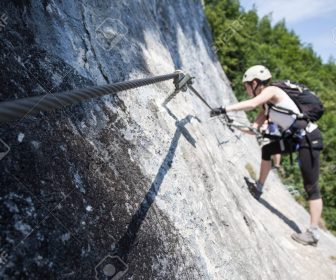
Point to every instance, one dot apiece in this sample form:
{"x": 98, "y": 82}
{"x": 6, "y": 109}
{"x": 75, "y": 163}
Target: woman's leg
{"x": 267, "y": 151}
{"x": 276, "y": 160}
{"x": 310, "y": 173}
{"x": 265, "y": 167}
{"x": 315, "y": 209}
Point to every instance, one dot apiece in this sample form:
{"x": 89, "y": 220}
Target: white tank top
{"x": 282, "y": 119}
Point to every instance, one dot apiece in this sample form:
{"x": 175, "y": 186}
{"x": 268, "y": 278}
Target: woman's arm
{"x": 266, "y": 95}
{"x": 258, "y": 123}
{"x": 260, "y": 120}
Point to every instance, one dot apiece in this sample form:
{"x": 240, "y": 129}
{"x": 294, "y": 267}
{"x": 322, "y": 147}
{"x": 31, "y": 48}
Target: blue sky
{"x": 313, "y": 20}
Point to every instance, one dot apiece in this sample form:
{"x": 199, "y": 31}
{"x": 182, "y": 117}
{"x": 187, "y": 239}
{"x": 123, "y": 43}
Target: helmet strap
{"x": 254, "y": 90}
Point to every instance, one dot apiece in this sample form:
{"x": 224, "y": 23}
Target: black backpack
{"x": 308, "y": 103}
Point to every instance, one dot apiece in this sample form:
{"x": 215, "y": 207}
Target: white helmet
{"x": 259, "y": 72}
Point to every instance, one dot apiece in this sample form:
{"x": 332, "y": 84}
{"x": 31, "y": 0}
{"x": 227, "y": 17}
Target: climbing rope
{"x": 239, "y": 125}
{"x": 19, "y": 108}
{"x": 225, "y": 119}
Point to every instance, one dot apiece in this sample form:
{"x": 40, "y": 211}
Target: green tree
{"x": 243, "y": 39}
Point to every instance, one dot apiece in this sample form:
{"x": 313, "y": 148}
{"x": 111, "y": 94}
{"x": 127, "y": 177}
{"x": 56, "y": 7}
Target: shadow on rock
{"x": 276, "y": 212}
{"x": 128, "y": 240}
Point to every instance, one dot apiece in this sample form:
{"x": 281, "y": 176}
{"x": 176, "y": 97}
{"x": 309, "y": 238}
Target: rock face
{"x": 122, "y": 186}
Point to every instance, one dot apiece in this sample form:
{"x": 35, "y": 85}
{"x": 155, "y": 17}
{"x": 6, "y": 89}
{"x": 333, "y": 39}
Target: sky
{"x": 314, "y": 21}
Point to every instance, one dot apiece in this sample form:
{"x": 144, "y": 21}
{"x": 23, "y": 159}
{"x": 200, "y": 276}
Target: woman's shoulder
{"x": 277, "y": 93}
{"x": 274, "y": 93}
{"x": 273, "y": 89}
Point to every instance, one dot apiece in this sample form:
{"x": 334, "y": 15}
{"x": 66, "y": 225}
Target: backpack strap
{"x": 267, "y": 108}
{"x": 310, "y": 148}
{"x": 286, "y": 111}
{"x": 297, "y": 127}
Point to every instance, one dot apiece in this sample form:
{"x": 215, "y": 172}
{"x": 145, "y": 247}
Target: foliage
{"x": 242, "y": 39}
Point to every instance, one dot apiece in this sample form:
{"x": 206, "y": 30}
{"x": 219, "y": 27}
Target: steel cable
{"x": 19, "y": 108}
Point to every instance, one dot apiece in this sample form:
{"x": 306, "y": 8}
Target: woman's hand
{"x": 217, "y": 111}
